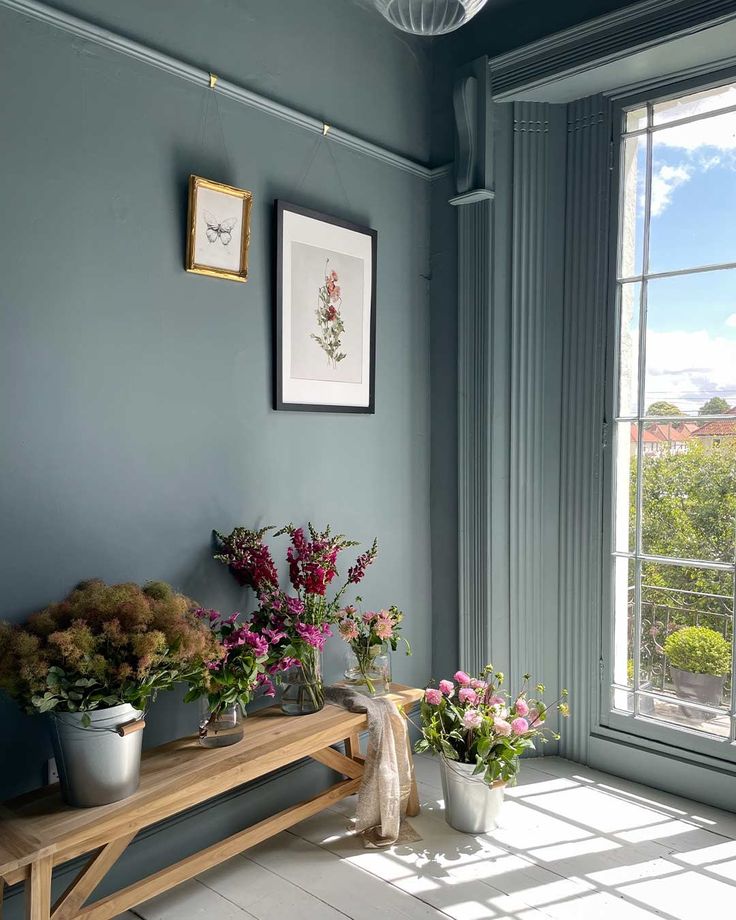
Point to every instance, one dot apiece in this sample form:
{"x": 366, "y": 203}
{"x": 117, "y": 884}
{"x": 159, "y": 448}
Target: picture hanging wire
{"x": 207, "y": 143}
{"x": 321, "y": 141}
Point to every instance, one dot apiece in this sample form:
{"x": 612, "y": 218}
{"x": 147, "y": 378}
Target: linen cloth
{"x": 388, "y": 770}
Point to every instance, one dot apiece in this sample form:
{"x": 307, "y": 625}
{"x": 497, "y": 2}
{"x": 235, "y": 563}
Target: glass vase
{"x": 303, "y": 690}
{"x": 220, "y": 727}
{"x": 369, "y": 671}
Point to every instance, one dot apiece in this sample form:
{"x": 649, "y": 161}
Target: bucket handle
{"x": 128, "y": 728}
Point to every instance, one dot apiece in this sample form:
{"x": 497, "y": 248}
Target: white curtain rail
{"x": 88, "y": 31}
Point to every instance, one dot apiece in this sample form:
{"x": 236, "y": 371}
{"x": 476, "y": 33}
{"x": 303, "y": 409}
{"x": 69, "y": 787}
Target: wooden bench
{"x": 38, "y": 831}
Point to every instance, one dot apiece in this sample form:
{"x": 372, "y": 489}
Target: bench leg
{"x": 352, "y": 746}
{"x": 38, "y": 890}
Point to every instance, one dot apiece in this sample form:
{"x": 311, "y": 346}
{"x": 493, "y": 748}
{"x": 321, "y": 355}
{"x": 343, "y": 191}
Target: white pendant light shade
{"x": 429, "y": 17}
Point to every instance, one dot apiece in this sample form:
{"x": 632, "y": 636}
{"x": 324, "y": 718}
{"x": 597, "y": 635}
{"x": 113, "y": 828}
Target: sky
{"x": 691, "y": 319}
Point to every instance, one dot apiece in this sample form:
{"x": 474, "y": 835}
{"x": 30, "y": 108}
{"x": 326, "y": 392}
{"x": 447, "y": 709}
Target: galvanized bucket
{"x": 471, "y": 805}
{"x": 100, "y": 763}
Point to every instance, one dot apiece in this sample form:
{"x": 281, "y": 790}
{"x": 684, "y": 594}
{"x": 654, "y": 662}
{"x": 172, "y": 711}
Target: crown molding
{"x": 88, "y": 31}
{"x": 603, "y": 40}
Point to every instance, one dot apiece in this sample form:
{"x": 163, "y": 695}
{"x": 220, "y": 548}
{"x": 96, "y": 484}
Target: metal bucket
{"x": 97, "y": 764}
{"x": 471, "y": 805}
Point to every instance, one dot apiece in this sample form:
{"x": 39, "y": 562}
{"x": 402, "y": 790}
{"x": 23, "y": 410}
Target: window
{"x": 674, "y": 444}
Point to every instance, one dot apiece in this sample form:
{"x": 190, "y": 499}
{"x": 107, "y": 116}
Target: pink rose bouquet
{"x": 475, "y": 721}
{"x": 367, "y": 633}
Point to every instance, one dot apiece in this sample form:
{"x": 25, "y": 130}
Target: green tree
{"x": 664, "y": 408}
{"x": 688, "y": 512}
{"x": 715, "y": 406}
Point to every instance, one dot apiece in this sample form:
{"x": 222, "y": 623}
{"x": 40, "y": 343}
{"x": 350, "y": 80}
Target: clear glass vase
{"x": 303, "y": 690}
{"x": 220, "y": 727}
{"x": 369, "y": 671}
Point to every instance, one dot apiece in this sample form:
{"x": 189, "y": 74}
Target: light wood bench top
{"x": 174, "y": 777}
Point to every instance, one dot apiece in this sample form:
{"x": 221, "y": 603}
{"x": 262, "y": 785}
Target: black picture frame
{"x": 283, "y": 208}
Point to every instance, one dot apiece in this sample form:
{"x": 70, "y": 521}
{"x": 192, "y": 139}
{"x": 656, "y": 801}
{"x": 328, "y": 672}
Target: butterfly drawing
{"x": 219, "y": 230}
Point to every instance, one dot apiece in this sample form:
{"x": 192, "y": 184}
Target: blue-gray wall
{"x": 134, "y": 397}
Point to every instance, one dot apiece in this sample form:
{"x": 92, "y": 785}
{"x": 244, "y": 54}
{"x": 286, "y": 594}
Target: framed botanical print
{"x": 219, "y": 229}
{"x": 325, "y": 326}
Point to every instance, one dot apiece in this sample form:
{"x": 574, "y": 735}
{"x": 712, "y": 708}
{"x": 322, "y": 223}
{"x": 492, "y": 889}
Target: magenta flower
{"x": 467, "y": 695}
{"x": 432, "y": 696}
{"x": 472, "y": 718}
{"x": 520, "y": 726}
{"x": 447, "y": 686}
{"x": 462, "y": 678}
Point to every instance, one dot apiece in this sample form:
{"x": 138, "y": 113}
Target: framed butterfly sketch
{"x": 325, "y": 328}
{"x": 219, "y": 229}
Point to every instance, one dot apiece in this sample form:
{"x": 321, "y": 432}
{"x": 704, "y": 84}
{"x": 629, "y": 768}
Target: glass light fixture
{"x": 429, "y": 17}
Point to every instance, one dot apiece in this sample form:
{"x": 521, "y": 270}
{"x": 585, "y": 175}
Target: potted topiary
{"x": 93, "y": 663}
{"x": 699, "y": 660}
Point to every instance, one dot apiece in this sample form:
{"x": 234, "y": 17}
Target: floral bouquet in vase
{"x": 480, "y": 732}
{"x": 296, "y": 625}
{"x": 370, "y": 637}
{"x": 226, "y": 683}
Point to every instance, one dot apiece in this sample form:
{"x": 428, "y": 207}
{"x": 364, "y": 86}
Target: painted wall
{"x": 135, "y": 398}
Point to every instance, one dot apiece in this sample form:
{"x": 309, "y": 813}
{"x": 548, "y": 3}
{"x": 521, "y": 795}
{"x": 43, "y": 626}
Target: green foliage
{"x": 689, "y": 510}
{"x": 699, "y": 650}
{"x": 664, "y": 408}
{"x": 103, "y": 645}
{"x": 717, "y": 405}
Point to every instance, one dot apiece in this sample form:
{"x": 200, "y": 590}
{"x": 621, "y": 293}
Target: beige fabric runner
{"x": 388, "y": 772}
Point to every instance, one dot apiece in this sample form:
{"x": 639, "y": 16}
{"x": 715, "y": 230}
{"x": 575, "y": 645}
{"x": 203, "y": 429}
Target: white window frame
{"x": 615, "y": 723}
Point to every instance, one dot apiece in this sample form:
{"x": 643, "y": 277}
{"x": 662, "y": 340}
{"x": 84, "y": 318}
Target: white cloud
{"x": 687, "y": 368}
{"x": 665, "y": 180}
{"x": 718, "y": 132}
{"x": 731, "y": 320}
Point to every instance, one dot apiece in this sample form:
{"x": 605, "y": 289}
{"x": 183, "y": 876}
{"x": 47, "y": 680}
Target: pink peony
{"x": 369, "y": 617}
{"x": 466, "y": 695}
{"x": 447, "y": 686}
{"x": 522, "y": 707}
{"x": 472, "y": 718}
{"x": 496, "y": 700}
{"x": 535, "y": 717}
{"x": 462, "y": 678}
{"x": 477, "y": 684}
{"x": 432, "y": 696}
{"x": 501, "y": 727}
{"x": 520, "y": 726}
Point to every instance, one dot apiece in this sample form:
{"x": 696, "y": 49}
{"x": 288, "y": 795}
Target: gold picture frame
{"x": 218, "y": 219}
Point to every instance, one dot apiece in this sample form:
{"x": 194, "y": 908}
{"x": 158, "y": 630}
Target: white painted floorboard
{"x": 574, "y": 844}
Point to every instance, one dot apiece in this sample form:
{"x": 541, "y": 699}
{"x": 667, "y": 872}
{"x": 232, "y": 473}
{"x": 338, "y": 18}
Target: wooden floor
{"x": 573, "y": 843}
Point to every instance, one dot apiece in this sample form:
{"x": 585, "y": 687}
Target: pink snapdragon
{"x": 467, "y": 695}
{"x": 472, "y": 718}
{"x": 462, "y": 678}
{"x": 501, "y": 727}
{"x": 432, "y": 696}
{"x": 446, "y": 687}
{"x": 520, "y": 726}
{"x": 316, "y": 636}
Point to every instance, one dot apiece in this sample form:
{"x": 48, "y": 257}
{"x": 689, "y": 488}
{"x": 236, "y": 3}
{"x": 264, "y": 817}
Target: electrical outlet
{"x": 52, "y": 774}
